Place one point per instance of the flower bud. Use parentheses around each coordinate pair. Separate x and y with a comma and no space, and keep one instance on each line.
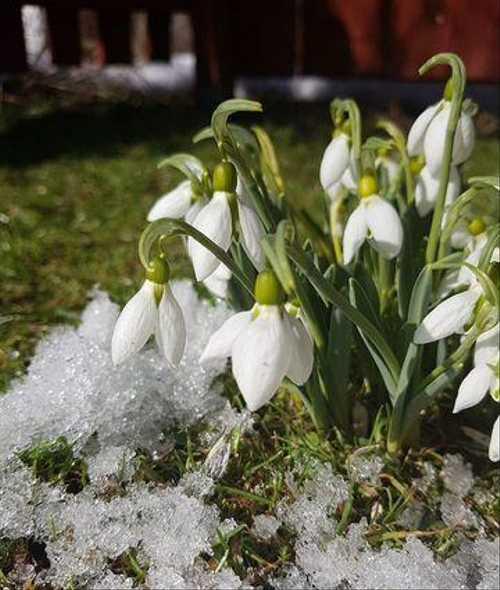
(477,226)
(225,177)
(367,186)
(158,270)
(268,290)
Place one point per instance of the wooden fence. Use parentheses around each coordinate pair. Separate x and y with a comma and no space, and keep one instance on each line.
(333,38)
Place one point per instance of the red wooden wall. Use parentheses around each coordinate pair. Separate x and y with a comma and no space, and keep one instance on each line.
(336,38)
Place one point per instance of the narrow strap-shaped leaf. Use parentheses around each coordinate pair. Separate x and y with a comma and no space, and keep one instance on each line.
(328,292)
(189,165)
(226,109)
(269,162)
(360,301)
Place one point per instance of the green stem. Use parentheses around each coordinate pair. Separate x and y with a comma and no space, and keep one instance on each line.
(175,227)
(385,282)
(325,289)
(458,77)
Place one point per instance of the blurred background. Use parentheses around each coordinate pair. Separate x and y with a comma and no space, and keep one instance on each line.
(93,93)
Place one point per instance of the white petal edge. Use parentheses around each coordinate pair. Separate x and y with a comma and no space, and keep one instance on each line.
(261,355)
(214,220)
(171,328)
(435,138)
(494,450)
(385,226)
(135,324)
(217,282)
(355,233)
(221,342)
(417,132)
(448,318)
(174,204)
(252,233)
(335,161)
(302,351)
(473,388)
(486,349)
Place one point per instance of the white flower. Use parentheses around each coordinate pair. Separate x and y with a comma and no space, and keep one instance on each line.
(214,221)
(252,230)
(427,188)
(335,162)
(494,451)
(174,204)
(266,345)
(449,317)
(142,316)
(217,282)
(484,375)
(377,220)
(428,134)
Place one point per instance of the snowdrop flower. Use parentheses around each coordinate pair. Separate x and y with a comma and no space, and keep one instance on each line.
(214,221)
(179,203)
(336,169)
(449,317)
(484,375)
(266,344)
(217,282)
(374,219)
(428,134)
(252,230)
(152,310)
(427,187)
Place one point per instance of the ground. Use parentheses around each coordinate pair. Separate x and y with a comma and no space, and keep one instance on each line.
(75,185)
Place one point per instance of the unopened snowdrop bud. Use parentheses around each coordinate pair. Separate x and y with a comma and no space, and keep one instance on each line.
(152,310)
(225,177)
(374,219)
(268,290)
(336,158)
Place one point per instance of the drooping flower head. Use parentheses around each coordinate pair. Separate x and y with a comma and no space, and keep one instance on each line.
(374,219)
(266,344)
(428,134)
(152,310)
(336,170)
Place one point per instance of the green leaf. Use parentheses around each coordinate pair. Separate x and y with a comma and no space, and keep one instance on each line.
(411,259)
(274,247)
(226,109)
(486,182)
(269,163)
(205,133)
(360,301)
(189,165)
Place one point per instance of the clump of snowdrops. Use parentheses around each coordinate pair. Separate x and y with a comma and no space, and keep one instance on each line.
(397,278)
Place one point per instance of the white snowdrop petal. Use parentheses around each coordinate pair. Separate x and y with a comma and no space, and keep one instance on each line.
(461,236)
(349,178)
(174,204)
(221,342)
(214,220)
(135,324)
(217,282)
(261,355)
(385,226)
(171,328)
(194,210)
(355,233)
(473,388)
(252,233)
(465,139)
(302,351)
(335,161)
(494,450)
(435,138)
(486,349)
(426,192)
(448,318)
(335,191)
(418,129)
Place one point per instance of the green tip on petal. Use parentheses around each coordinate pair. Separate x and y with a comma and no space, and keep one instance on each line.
(268,290)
